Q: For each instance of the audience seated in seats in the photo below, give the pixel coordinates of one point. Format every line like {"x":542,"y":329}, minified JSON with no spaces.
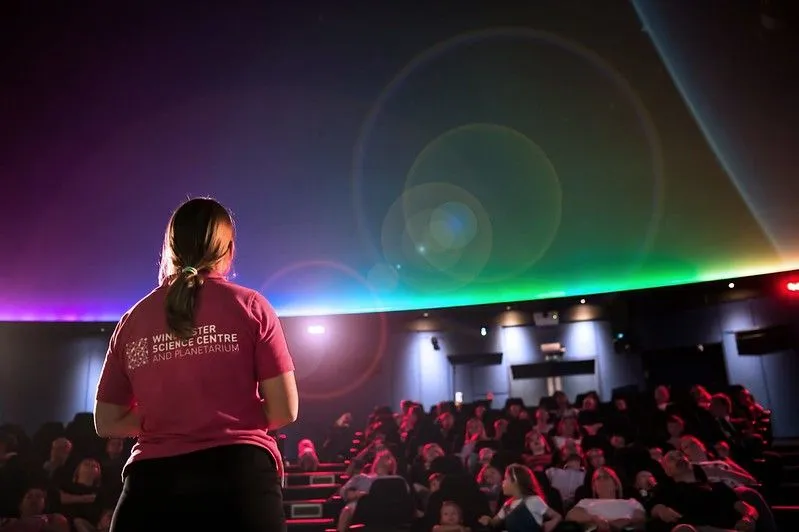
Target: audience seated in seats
{"x":686,"y":459}
{"x":686,"y":499}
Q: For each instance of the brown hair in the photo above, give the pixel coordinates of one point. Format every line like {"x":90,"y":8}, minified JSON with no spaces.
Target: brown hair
{"x":608,"y":472}
{"x":198,"y":237}
{"x":525,"y":479}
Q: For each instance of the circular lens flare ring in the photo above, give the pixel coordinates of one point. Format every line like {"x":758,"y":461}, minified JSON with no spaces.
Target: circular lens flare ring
{"x":528,"y":35}
{"x":315,"y":329}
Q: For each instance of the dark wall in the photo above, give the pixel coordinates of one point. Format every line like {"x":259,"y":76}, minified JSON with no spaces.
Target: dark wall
{"x":770,"y":377}
{"x":48,"y":372}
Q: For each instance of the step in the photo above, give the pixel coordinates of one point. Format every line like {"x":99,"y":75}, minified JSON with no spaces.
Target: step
{"x":309,"y":525}
{"x":315,"y":478}
{"x":304,"y":493}
{"x":309,"y":509}
{"x":323,"y":467}
{"x":313,"y":508}
{"x":787,"y":517}
{"x":786,"y":495}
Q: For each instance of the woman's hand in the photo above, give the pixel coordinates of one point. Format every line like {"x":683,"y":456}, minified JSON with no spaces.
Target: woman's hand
{"x":601,"y":524}
{"x":484,"y":520}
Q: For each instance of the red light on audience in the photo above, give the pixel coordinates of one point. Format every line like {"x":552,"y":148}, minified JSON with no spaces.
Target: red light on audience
{"x":792,"y":286}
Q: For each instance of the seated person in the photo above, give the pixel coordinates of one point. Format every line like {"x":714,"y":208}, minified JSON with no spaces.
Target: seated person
{"x":607,"y":509}
{"x":82,"y":497}
{"x":451,"y":519}
{"x":683,"y":499}
{"x":306,"y":455}
{"x":31,"y":515}
{"x":725,"y":471}
{"x":384,"y":465}
{"x":526,"y":509}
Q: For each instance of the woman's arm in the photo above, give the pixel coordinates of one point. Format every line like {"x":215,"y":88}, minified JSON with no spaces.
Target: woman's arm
{"x":450,"y":528}
{"x":580,"y":515}
{"x":280,"y":400}
{"x":71,"y":498}
{"x":116,"y":421}
{"x":552,"y":519}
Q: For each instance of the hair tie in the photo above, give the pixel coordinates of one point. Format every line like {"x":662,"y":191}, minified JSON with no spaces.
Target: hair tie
{"x":192,"y":271}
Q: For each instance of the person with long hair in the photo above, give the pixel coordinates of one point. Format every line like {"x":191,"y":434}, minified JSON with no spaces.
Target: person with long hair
{"x":199,"y":371}
{"x":526,"y":508}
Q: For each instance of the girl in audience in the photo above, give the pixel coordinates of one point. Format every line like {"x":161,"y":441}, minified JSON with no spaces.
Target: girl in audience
{"x":607,"y":509}
{"x":490,"y":481}
{"x":526,"y":509}
{"x":484,"y":458}
{"x":474,"y":434}
{"x":539,"y":453}
{"x":451,"y":519}
{"x":567,"y":431}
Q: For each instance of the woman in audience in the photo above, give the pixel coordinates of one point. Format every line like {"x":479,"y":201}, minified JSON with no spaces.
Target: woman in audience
{"x":356,"y":487}
{"x":205,"y":363}
{"x":526,"y":508}
{"x":82,"y":498}
{"x":32,"y":516}
{"x":607,"y":510}
{"x":567,"y":431}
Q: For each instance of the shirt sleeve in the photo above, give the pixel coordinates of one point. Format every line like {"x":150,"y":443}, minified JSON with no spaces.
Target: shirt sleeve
{"x":536,"y":505}
{"x":272,"y":357}
{"x":114,"y":386}
{"x":503,"y":512}
{"x":636,"y":506}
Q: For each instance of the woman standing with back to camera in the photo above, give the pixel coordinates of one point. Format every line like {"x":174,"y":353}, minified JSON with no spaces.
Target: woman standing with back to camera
{"x":199,"y":370}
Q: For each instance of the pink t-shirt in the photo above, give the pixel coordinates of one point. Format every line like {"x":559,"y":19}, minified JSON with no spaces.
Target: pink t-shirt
{"x":201,"y":392}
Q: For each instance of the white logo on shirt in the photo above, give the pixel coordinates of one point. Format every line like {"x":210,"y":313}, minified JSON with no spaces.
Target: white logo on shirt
{"x":137,"y":353}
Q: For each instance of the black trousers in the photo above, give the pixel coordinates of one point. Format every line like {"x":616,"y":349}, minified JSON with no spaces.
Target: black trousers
{"x":232,"y":488}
